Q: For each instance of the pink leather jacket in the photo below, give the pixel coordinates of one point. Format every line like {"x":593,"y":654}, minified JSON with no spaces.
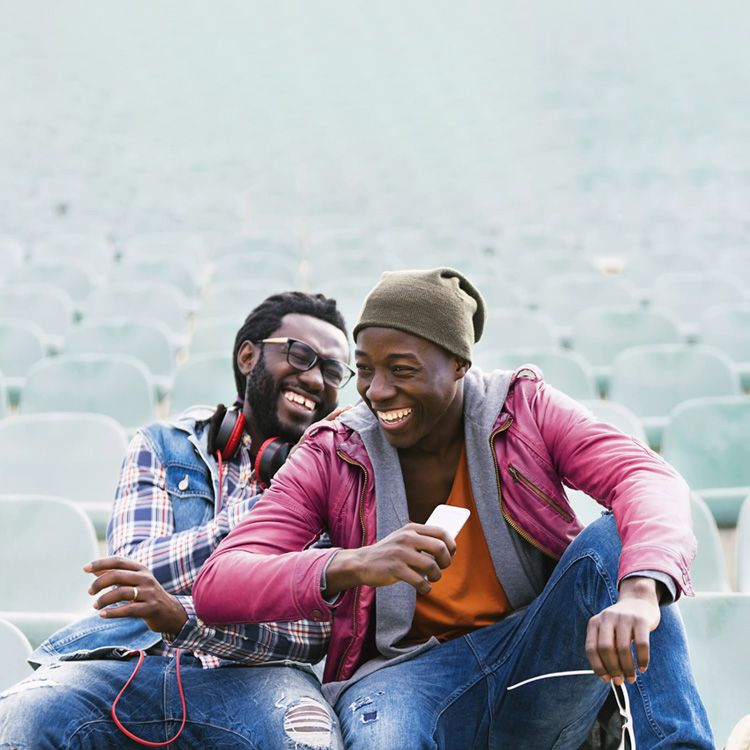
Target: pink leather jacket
{"x":540,"y":439}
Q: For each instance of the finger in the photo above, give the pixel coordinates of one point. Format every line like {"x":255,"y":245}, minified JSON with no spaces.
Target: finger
{"x":423,"y":563}
{"x":97,"y":567}
{"x":592,"y":652}
{"x":642,"y":645}
{"x":624,"y":639}
{"x":118,"y":594}
{"x":116,"y":578}
{"x":438,"y":533}
{"x":607,"y":648}
{"x":134,"y":609}
{"x":410,"y":576}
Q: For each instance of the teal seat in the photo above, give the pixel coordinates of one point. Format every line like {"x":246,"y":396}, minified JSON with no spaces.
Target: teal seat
{"x":737,"y":264}
{"x":743,"y":548}
{"x":45,"y":542}
{"x":532,"y":267}
{"x":708,"y":441}
{"x":4,"y":398}
{"x":14,"y":650}
{"x":281,"y":271}
{"x":47,"y":307}
{"x":150,"y":343}
{"x":514,"y":329}
{"x":190,"y":247}
{"x":112,"y":384}
{"x":145,"y":302}
{"x":716,"y":625}
{"x":618,"y":416}
{"x":86,"y":473}
{"x":565,"y":370}
{"x":21,"y":345}
{"x":652,"y":380}
{"x":170,"y":272}
{"x":214,"y":336}
{"x":677,"y":294}
{"x":644,"y":268}
{"x":709,"y":569}
{"x":205,"y":379}
{"x":601,"y":333}
{"x":92,"y":249}
{"x":69,"y":275}
{"x":235,"y":299}
{"x":727,"y":327}
{"x":12,"y":253}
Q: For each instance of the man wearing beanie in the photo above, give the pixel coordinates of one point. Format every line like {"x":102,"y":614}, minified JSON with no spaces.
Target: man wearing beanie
{"x":513,"y":633}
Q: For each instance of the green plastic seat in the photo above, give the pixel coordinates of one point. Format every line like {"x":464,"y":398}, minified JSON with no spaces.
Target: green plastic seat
{"x":652,"y":380}
{"x":14,"y":650}
{"x":727,"y":327}
{"x":743,"y":548}
{"x":214,"y":336}
{"x":93,"y":249}
{"x":618,"y":416}
{"x":716,"y":625}
{"x":86,"y":474}
{"x":21,"y":345}
{"x":205,"y":379}
{"x":709,"y":569}
{"x":68,"y":275}
{"x":708,"y":441}
{"x":150,"y":343}
{"x":601,"y":333}
{"x":159,"y":270}
{"x":4,"y":398}
{"x":191,"y":247}
{"x":644,"y":268}
{"x":514,"y":329}
{"x":145,"y":302}
{"x":565,"y":370}
{"x":112,"y":384}
{"x":532,"y":267}
{"x":45,"y":306}
{"x":45,"y":542}
{"x":235,"y":299}
{"x":281,"y":271}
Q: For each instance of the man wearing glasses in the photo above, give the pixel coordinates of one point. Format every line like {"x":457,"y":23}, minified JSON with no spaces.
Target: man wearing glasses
{"x":183,"y":486}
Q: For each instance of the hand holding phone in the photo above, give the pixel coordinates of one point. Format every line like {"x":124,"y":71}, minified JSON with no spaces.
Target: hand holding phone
{"x":449,"y":518}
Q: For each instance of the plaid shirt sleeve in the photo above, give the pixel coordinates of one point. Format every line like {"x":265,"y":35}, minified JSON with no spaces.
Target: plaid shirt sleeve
{"x":142,"y":524}
{"x":302,"y":640}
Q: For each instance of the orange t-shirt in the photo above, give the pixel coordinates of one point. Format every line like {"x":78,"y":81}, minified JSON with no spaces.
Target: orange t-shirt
{"x":469,"y":595}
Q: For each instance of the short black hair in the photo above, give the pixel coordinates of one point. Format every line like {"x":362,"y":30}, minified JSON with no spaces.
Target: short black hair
{"x":266,"y":318}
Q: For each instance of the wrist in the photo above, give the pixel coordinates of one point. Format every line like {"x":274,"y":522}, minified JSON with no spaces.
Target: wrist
{"x":640,"y":587}
{"x":343,"y":572}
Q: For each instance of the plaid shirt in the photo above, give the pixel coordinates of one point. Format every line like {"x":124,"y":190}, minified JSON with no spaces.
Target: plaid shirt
{"x":142,"y":529}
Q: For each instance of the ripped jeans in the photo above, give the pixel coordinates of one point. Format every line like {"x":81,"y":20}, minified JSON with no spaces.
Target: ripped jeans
{"x":455,"y":695}
{"x":68,"y":704}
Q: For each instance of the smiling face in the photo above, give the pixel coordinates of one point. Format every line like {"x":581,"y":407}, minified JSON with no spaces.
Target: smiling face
{"x":281,"y":401}
{"x":411,"y":385}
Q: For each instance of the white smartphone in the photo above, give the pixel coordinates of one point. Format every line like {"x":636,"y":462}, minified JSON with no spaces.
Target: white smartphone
{"x":449,"y":518}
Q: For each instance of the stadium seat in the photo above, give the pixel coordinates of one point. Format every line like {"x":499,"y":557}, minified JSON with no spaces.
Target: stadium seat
{"x":169,"y":272}
{"x":677,"y":294}
{"x":651,"y":380}
{"x":21,"y":345}
{"x":601,"y":333}
{"x":12,"y":254}
{"x":190,"y":247}
{"x":86,"y":473}
{"x":205,"y":379}
{"x":565,"y":370}
{"x":148,"y":342}
{"x":234,"y":298}
{"x":618,"y":416}
{"x":214,"y":336}
{"x":14,"y":650}
{"x":47,"y":307}
{"x":94,"y":250}
{"x":514,"y":329}
{"x":709,"y":569}
{"x":146,"y":302}
{"x":743,"y":548}
{"x":708,"y":441}
{"x":644,"y":268}
{"x":716,"y":625}
{"x":280,"y":271}
{"x":112,"y":384}
{"x":44,"y":544}
{"x":69,"y":275}
{"x":727,"y":327}
{"x":4,"y":398}
{"x":532,"y":267}
{"x":737,"y":264}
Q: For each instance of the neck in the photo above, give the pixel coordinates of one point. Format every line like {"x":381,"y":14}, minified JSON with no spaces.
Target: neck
{"x":257,"y":438}
{"x":447,"y":435}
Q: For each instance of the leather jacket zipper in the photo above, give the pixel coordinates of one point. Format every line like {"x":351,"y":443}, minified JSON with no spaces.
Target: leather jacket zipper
{"x":351,"y":461}
{"x":518,"y":477}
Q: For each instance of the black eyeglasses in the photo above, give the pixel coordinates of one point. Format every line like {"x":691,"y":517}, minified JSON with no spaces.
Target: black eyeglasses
{"x":303,"y":357}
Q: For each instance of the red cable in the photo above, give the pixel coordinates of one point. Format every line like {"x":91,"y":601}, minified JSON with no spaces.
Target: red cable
{"x":221,"y":481}
{"x":130,"y":735}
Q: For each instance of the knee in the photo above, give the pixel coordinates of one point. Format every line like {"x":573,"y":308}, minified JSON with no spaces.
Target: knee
{"x":30,"y":711}
{"x":310,"y":723}
{"x":599,"y":540}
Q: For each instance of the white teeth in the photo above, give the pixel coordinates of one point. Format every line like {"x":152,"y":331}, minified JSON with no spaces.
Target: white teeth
{"x":393,"y":416}
{"x":298,"y":398}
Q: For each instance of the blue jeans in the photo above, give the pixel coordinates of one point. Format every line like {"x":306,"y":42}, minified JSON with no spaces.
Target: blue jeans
{"x":455,"y":695}
{"x":67,"y":705}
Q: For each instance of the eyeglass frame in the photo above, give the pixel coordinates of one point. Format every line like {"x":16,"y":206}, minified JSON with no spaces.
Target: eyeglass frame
{"x":349,"y":373}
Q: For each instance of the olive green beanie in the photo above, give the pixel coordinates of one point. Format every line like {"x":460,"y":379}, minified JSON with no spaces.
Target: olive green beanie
{"x":440,"y":305}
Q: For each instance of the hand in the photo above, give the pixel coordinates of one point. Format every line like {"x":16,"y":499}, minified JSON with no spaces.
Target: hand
{"x":415,"y":553}
{"x":610,"y":634}
{"x":161,"y":611}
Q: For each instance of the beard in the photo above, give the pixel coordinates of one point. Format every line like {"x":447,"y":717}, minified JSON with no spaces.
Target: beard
{"x":262,"y":395}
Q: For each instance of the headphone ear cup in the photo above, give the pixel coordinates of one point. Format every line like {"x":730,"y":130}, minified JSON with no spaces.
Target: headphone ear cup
{"x":269,"y":459}
{"x":226,"y":432}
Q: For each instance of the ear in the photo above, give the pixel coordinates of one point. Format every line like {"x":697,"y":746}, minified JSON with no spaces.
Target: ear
{"x":462,"y":367}
{"x":247,"y":356}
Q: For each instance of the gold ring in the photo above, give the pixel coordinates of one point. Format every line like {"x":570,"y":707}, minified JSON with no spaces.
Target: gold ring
{"x":135,"y":594}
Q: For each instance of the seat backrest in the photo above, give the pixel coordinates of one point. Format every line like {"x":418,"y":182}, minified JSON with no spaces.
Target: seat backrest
{"x":727,"y":327}
{"x":743,"y":548}
{"x":44,"y":305}
{"x":651,"y":380}
{"x":716,"y":626}
{"x":44,"y":544}
{"x":68,"y":275}
{"x":86,"y":471}
{"x":709,"y":570}
{"x":281,"y":271}
{"x":203,"y":379}
{"x":531,"y":268}
{"x":214,"y":336}
{"x":21,"y":344}
{"x":95,"y":250}
{"x":513,"y":329}
{"x":600,"y":333}
{"x":234,"y":299}
{"x":618,"y":416}
{"x":708,"y":441}
{"x":192,"y":247}
{"x":678,"y":292}
{"x":159,"y":270}
{"x":112,"y":384}
{"x":148,"y":342}
{"x":644,"y":268}
{"x":14,"y":650}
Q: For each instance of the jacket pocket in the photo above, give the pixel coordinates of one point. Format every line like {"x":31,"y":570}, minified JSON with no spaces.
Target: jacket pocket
{"x":519,"y":478}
